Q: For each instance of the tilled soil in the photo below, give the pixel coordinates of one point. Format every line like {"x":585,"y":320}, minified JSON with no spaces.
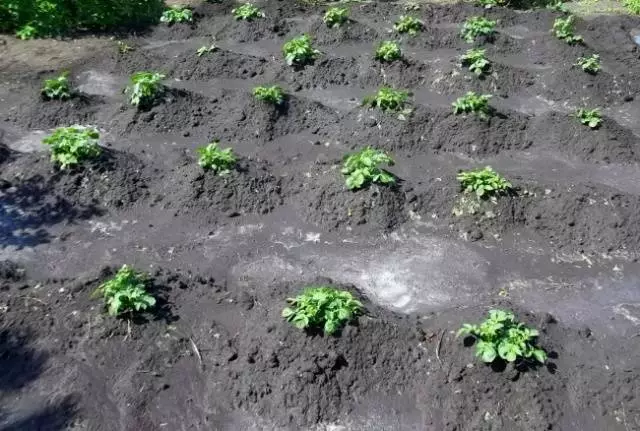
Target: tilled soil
{"x":215,"y":353}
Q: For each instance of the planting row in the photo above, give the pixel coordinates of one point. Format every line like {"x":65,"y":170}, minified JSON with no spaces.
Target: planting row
{"x":327,"y":309}
{"x":71,"y":146}
{"x":146,"y":88}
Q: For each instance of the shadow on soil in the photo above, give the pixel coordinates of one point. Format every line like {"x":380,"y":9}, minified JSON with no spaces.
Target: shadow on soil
{"x":27,"y":208}
{"x":22,"y":364}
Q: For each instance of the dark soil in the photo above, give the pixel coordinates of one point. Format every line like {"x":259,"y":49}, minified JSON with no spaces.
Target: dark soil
{"x":248,"y":189}
{"x":278,"y":372}
{"x":225,"y":251}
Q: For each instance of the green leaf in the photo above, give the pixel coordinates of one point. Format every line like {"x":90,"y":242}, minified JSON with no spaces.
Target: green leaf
{"x":485,"y":351}
{"x":540,"y":355}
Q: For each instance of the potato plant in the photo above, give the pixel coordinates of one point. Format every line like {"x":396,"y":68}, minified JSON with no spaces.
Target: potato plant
{"x":215,"y":159}
{"x":632,"y":6}
{"x":272,"y":94}
{"x":477,"y":26}
{"x":73,"y":145}
{"x":484,"y":183}
{"x":126,"y":292}
{"x":388,"y":51}
{"x":409,"y":25}
{"x":124,"y":47}
{"x":322,"y":307}
{"x":473,"y":103}
{"x":387,"y":99}
{"x":362,"y":168}
{"x":176,"y":14}
{"x":476,"y":61}
{"x":298,"y":51}
{"x":247,"y":12}
{"x":144,"y":88}
{"x":563,"y":30}
{"x":336,"y":16}
{"x":502,"y":336}
{"x":57,"y":88}
{"x":589,"y":117}
{"x":589,"y":64}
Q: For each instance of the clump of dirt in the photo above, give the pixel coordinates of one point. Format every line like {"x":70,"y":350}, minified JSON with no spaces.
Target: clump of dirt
{"x":172,"y":111}
{"x":250,"y":188}
{"x":351,"y":31}
{"x":581,"y":217}
{"x":326,"y":202}
{"x":35,"y":113}
{"x":609,"y":143}
{"x":11,"y":271}
{"x":326,"y":71}
{"x":114,"y":180}
{"x":274,"y":25}
{"x":218,"y":64}
{"x":438,"y":130}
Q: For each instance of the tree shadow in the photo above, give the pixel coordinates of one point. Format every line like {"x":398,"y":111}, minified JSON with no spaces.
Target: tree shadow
{"x":28,"y":206}
{"x":20,"y":363}
{"x":53,"y":417}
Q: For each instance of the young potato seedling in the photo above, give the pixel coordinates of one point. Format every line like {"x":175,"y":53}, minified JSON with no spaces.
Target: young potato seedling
{"x":387,"y":99}
{"x":124,"y":47}
{"x":336,"y":16}
{"x":298,"y":51}
{"x":388,"y":51}
{"x":633,"y":6}
{"x":589,"y":64}
{"x":501,"y":336}
{"x":563,"y":30}
{"x":272,"y":94}
{"x":476,"y":61}
{"x":176,"y":14}
{"x":485,"y":183}
{"x":27,"y":32}
{"x":216,"y":159}
{"x":408,"y":24}
{"x":477,"y":26}
{"x":589,"y":117}
{"x":247,"y":12}
{"x":126,"y":292}
{"x":144,"y":87}
{"x":73,"y":145}
{"x":322,"y":307}
{"x":473,"y":103}
{"x":203,"y":50}
{"x":361,"y":168}
{"x":57,"y":88}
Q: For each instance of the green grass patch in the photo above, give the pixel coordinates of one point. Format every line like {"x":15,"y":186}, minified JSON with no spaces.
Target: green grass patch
{"x":29,"y":19}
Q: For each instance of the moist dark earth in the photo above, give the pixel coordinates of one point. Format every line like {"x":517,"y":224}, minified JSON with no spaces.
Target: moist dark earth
{"x":225,"y":252}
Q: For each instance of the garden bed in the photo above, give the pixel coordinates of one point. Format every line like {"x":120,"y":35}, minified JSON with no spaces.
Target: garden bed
{"x":224,"y":252}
